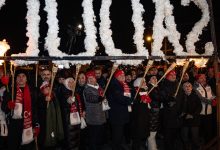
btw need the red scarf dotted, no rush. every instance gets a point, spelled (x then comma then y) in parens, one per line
(101, 92)
(74, 108)
(145, 98)
(25, 99)
(125, 87)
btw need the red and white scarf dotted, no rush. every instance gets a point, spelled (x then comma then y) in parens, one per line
(24, 98)
(126, 88)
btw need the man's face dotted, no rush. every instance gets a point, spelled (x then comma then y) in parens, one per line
(71, 83)
(153, 71)
(98, 74)
(82, 79)
(46, 75)
(187, 87)
(128, 78)
(121, 78)
(172, 77)
(91, 80)
(202, 80)
(21, 80)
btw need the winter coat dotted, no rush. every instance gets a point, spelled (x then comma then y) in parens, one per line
(140, 118)
(155, 107)
(205, 94)
(118, 114)
(191, 104)
(94, 113)
(53, 124)
(15, 126)
(172, 106)
(71, 132)
(79, 90)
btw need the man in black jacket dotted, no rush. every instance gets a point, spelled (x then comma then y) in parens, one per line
(23, 121)
(120, 98)
(191, 108)
(171, 111)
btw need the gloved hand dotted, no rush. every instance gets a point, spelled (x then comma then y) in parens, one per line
(145, 99)
(188, 116)
(71, 100)
(5, 80)
(11, 105)
(36, 131)
(172, 103)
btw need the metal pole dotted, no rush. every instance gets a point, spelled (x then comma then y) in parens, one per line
(82, 58)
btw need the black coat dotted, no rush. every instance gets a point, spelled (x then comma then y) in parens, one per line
(155, 108)
(71, 132)
(140, 119)
(191, 104)
(172, 106)
(15, 126)
(118, 114)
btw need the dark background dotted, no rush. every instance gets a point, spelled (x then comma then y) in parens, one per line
(13, 24)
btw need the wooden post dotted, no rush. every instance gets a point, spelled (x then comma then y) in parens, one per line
(213, 36)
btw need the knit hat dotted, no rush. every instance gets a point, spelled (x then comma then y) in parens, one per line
(148, 77)
(172, 72)
(21, 71)
(118, 73)
(137, 82)
(90, 73)
(199, 75)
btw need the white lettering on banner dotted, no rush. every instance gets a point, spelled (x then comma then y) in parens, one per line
(27, 114)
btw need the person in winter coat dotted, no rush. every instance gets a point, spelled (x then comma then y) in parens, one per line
(48, 106)
(171, 111)
(140, 116)
(155, 106)
(119, 96)
(208, 99)
(72, 114)
(95, 116)
(191, 108)
(80, 86)
(3, 123)
(23, 119)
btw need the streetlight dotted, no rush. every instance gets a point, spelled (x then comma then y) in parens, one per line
(79, 26)
(149, 39)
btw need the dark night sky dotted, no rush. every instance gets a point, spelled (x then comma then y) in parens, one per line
(13, 23)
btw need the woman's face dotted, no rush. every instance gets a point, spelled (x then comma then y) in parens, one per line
(153, 80)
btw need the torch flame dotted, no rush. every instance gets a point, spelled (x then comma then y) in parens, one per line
(3, 48)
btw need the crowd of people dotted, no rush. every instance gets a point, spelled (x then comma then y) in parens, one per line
(131, 113)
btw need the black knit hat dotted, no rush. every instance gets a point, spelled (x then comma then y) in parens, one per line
(21, 71)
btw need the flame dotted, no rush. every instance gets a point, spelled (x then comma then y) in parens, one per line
(3, 48)
(200, 62)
